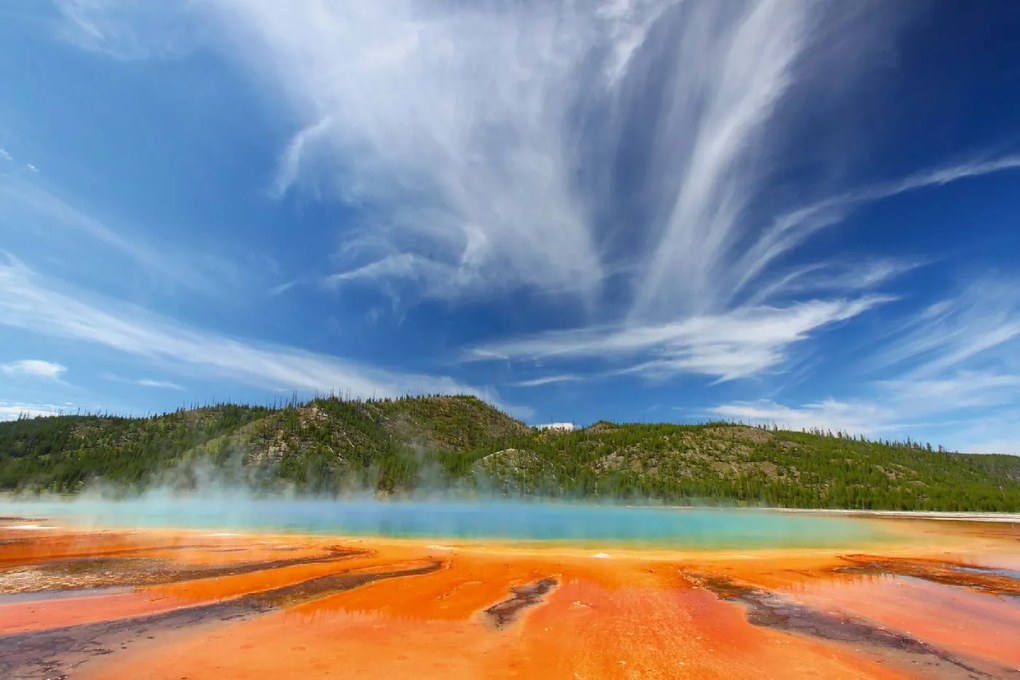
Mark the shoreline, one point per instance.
(938, 515)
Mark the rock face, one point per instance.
(506, 466)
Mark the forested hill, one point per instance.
(461, 444)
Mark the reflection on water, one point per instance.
(1008, 573)
(49, 595)
(695, 528)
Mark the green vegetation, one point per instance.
(460, 443)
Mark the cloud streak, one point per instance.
(968, 410)
(29, 206)
(956, 375)
(831, 414)
(14, 410)
(432, 120)
(793, 228)
(146, 382)
(726, 346)
(981, 322)
(35, 368)
(548, 380)
(158, 384)
(553, 146)
(34, 305)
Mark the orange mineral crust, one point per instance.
(944, 601)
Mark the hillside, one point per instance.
(460, 443)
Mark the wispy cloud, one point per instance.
(969, 412)
(448, 122)
(560, 146)
(955, 376)
(146, 382)
(554, 145)
(726, 346)
(431, 278)
(718, 110)
(952, 392)
(548, 380)
(35, 305)
(159, 384)
(982, 322)
(290, 167)
(496, 146)
(131, 31)
(41, 208)
(5, 155)
(36, 368)
(793, 228)
(831, 414)
(21, 194)
(831, 278)
(893, 406)
(14, 410)
(551, 145)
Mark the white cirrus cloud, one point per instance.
(36, 368)
(129, 30)
(145, 382)
(548, 380)
(41, 210)
(157, 384)
(830, 414)
(726, 346)
(448, 121)
(892, 406)
(30, 303)
(970, 422)
(950, 374)
(492, 146)
(830, 277)
(14, 410)
(612, 151)
(980, 323)
(555, 145)
(793, 228)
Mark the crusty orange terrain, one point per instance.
(289, 606)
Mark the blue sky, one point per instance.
(793, 212)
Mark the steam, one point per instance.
(220, 491)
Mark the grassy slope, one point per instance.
(397, 446)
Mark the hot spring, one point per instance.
(496, 520)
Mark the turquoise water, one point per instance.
(515, 521)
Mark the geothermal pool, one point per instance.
(500, 520)
(234, 587)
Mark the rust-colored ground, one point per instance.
(944, 602)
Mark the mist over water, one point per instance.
(582, 524)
